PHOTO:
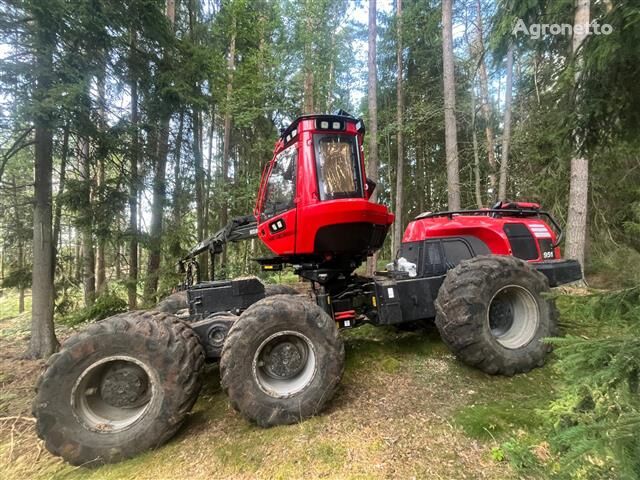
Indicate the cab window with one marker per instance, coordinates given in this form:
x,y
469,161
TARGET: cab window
x,y
338,166
281,186
456,251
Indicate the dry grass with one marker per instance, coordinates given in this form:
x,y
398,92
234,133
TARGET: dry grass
x,y
392,418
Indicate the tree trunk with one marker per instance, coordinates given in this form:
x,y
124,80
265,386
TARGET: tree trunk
x,y
77,274
397,227
486,105
118,260
21,267
157,210
141,225
21,300
308,86
177,192
207,194
171,11
159,185
226,138
329,97
372,165
474,54
199,171
89,263
100,250
132,283
2,261
204,258
476,156
506,133
308,90
579,183
421,177
18,228
101,276
61,184
43,340
450,128
209,270
197,150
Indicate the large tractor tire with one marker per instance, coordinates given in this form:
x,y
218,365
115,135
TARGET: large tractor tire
x,y
173,303
122,386
282,361
271,289
493,315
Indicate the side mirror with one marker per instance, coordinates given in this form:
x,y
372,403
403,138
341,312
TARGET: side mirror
x,y
369,188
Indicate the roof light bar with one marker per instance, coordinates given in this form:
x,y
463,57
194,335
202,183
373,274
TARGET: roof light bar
x,y
330,124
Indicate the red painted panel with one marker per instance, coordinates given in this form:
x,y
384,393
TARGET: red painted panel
x,y
488,229
349,210
282,242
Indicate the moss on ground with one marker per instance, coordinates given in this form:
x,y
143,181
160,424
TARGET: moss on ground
x,y
500,408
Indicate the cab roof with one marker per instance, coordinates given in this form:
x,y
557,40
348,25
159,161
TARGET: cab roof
x,y
340,116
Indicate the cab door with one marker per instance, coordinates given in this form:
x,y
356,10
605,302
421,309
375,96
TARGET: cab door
x,y
277,216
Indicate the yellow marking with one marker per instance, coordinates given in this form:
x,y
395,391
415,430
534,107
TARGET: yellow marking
x,y
373,300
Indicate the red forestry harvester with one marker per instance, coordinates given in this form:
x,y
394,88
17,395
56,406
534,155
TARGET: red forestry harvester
x,y
125,384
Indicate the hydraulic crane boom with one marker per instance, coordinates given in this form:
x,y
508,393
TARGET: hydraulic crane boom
x,y
239,228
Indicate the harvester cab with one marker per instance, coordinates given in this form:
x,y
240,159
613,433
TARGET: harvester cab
x,y
313,204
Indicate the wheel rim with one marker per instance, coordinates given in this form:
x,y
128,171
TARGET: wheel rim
x,y
513,316
113,393
284,364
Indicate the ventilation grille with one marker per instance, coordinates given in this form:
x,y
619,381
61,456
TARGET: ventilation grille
x,y
523,244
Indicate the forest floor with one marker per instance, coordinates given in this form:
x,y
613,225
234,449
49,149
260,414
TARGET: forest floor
x,y
406,408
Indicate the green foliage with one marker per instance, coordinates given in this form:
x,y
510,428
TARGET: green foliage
x,y
631,225
498,418
497,454
106,305
616,267
597,415
609,78
520,454
17,278
589,430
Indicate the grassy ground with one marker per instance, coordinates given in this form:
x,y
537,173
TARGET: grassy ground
x,y
406,408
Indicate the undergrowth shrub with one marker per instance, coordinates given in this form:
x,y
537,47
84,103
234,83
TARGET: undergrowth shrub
x,y
617,266
593,426
106,305
596,419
